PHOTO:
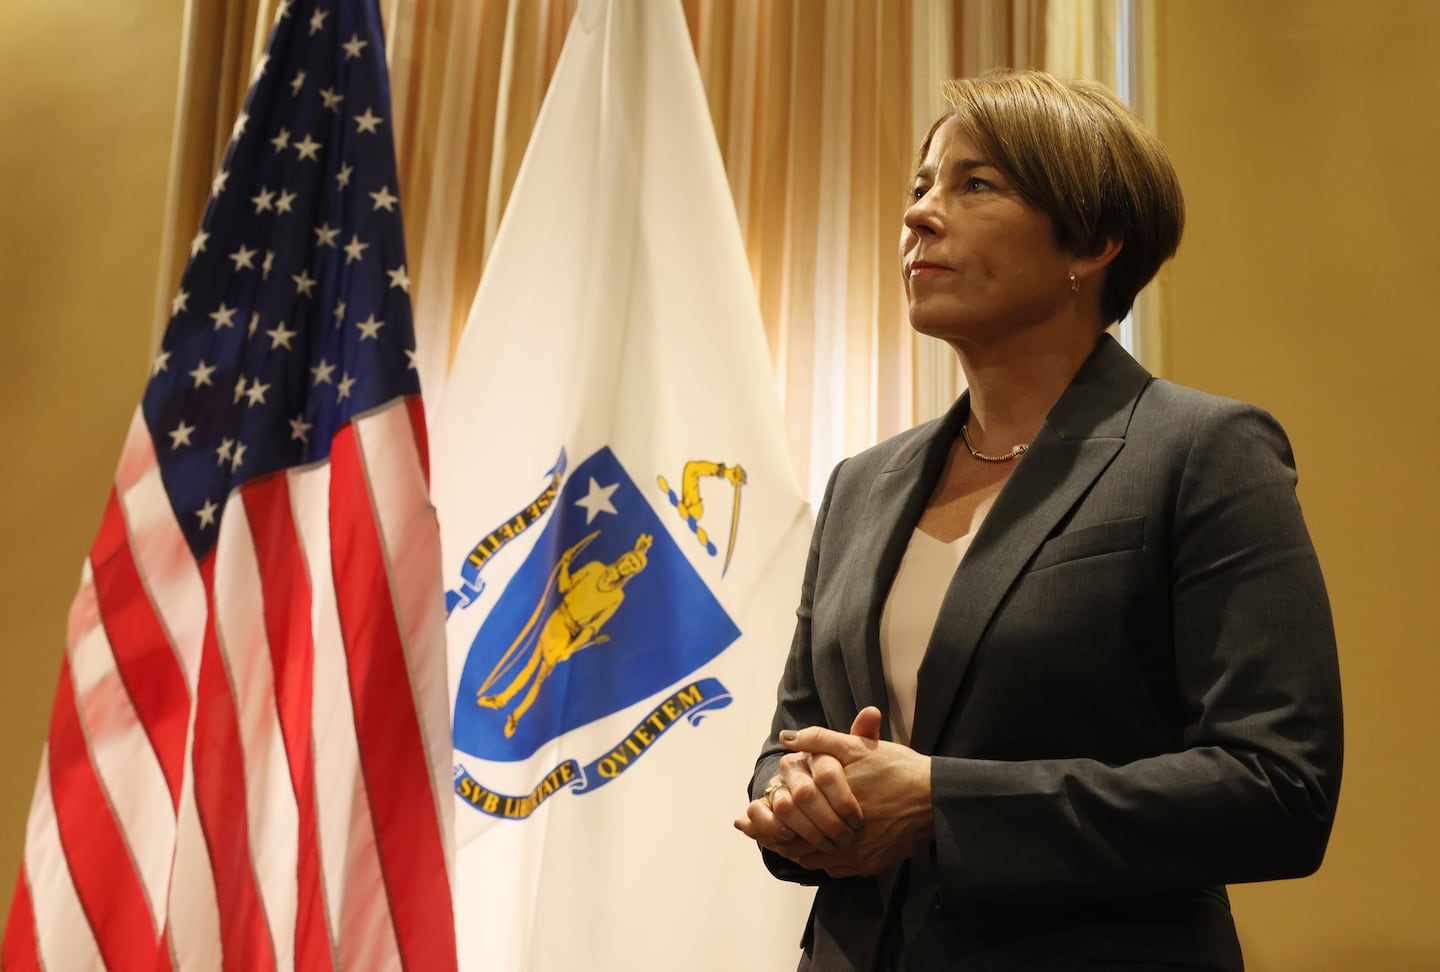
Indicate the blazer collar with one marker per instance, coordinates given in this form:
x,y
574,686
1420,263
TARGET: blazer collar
x,y
1078,439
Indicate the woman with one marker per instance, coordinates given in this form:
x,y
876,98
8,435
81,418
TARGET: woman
x,y
1064,665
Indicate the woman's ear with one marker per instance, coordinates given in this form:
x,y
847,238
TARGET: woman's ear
x,y
1084,267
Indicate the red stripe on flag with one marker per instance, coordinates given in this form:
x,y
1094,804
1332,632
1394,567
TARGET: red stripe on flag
x,y
286,588
162,953
143,653
218,764
105,881
392,756
415,408
21,952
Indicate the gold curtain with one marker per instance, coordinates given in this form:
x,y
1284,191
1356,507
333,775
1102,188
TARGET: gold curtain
x,y
817,104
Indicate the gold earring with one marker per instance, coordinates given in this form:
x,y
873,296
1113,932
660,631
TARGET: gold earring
x,y
1074,283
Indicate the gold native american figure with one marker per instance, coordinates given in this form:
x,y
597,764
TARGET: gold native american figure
x,y
589,597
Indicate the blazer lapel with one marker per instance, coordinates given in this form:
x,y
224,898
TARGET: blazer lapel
x,y
1078,439
897,498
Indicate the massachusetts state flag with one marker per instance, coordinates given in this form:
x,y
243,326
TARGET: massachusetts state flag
x,y
623,537
247,762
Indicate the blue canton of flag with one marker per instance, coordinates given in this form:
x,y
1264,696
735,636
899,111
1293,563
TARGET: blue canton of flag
x,y
294,308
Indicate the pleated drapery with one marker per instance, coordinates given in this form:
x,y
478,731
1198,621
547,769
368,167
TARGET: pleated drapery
x,y
817,105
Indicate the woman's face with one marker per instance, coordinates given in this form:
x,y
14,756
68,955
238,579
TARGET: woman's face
x,y
979,261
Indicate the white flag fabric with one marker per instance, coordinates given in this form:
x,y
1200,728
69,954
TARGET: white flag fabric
x,y
623,538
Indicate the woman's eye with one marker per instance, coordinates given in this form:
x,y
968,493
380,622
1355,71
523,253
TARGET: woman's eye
x,y
976,184
918,192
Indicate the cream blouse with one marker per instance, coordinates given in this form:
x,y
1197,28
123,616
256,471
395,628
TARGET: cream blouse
x,y
909,617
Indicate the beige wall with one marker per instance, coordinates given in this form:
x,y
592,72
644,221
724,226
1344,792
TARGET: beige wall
x,y
86,100
1307,135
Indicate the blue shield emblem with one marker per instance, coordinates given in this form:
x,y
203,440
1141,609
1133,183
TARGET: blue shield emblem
x,y
605,612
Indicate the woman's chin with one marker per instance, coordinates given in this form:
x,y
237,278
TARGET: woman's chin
x,y
940,326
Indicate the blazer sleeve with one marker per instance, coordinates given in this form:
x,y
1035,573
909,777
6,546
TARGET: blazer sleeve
x,y
798,703
1250,792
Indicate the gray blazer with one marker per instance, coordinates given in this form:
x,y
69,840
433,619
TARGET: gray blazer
x,y
1131,692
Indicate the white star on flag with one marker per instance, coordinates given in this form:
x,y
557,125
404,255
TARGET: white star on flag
x,y
597,500
224,316
202,373
244,258
384,199
368,122
308,148
304,283
279,337
180,435
257,391
370,328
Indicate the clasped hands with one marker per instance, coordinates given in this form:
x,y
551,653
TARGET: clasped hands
x,y
844,803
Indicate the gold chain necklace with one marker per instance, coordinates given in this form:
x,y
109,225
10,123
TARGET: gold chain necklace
x,y
1015,452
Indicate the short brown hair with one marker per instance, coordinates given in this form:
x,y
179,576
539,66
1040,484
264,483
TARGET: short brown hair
x,y
1075,152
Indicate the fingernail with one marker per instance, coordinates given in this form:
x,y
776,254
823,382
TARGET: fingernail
x,y
828,845
845,840
854,823
787,834
788,735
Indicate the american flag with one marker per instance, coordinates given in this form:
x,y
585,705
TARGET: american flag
x,y
248,758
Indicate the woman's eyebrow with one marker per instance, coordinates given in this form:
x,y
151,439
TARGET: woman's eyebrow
x,y
967,164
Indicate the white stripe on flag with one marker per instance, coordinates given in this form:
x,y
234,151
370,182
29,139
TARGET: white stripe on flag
x,y
401,499
166,566
357,911
194,928
124,760
63,932
269,797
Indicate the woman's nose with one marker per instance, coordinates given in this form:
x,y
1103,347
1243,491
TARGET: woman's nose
x,y
921,216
